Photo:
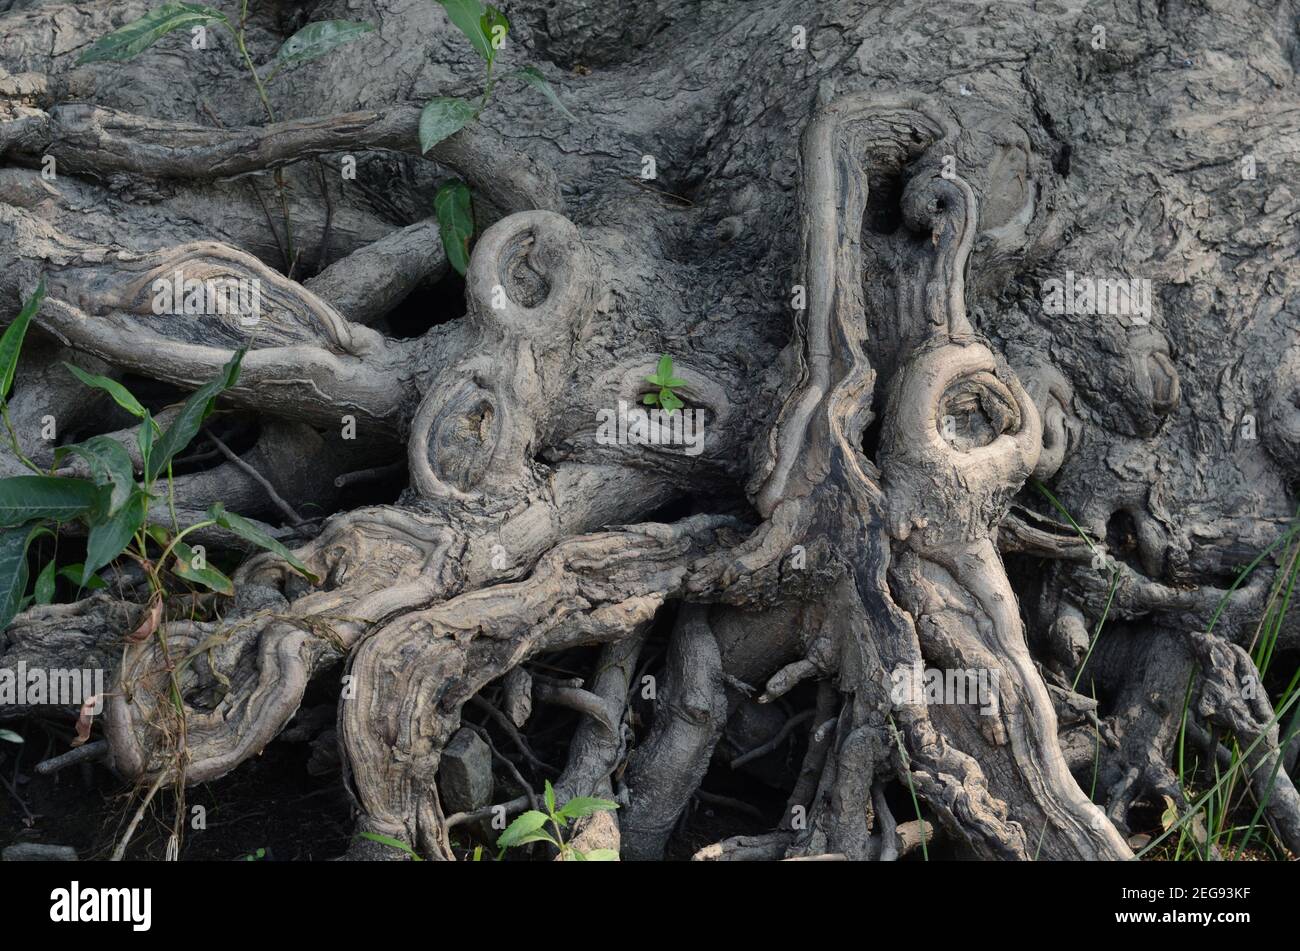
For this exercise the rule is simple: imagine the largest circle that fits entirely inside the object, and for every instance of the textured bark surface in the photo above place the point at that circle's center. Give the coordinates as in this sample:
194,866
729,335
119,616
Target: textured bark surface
845,249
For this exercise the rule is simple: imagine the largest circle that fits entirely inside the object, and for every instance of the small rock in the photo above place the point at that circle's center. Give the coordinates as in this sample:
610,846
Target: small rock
465,773
35,852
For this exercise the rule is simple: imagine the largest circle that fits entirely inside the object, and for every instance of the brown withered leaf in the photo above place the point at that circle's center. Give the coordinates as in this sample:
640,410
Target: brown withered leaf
85,719
149,623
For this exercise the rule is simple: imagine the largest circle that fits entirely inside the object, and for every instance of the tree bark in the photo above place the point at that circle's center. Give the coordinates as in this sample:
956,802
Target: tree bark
847,246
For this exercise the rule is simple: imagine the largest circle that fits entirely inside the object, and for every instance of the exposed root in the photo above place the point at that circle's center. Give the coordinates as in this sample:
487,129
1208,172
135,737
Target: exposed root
96,142
588,590
908,421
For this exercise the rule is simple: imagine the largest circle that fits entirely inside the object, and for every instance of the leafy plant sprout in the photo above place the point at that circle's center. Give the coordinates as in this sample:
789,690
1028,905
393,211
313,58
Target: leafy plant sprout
309,43
486,27
665,381
530,827
392,843
111,503
906,762
114,507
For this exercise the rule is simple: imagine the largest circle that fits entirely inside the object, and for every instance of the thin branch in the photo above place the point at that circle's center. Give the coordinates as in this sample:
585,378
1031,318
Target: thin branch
516,737
91,751
775,741
257,477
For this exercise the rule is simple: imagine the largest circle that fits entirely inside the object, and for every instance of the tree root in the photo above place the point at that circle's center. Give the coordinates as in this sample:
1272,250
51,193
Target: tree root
885,487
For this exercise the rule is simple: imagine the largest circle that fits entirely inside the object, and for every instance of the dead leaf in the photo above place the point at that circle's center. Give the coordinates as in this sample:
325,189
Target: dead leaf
85,719
1170,815
149,623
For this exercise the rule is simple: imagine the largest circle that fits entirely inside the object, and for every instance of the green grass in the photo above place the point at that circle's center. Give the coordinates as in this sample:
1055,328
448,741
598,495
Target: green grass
1219,803
1226,796
1098,554
916,803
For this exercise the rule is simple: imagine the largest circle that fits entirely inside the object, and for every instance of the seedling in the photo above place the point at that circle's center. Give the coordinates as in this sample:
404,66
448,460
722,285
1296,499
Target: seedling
112,503
665,380
530,827
486,27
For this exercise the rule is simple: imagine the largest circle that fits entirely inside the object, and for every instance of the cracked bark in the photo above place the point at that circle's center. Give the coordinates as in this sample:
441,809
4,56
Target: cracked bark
861,505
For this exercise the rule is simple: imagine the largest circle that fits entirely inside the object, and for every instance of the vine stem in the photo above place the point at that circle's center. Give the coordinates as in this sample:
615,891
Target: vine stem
172,544
13,438
270,115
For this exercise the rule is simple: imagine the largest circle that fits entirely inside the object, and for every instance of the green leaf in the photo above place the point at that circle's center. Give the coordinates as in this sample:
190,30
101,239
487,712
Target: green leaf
455,222
549,795
663,376
250,532
538,836
650,399
495,26
669,401
194,411
533,76
138,35
12,341
13,571
10,736
121,395
316,39
442,117
23,498
390,841
580,806
109,538
526,824
144,438
45,583
467,16
110,465
601,855
74,574
207,576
